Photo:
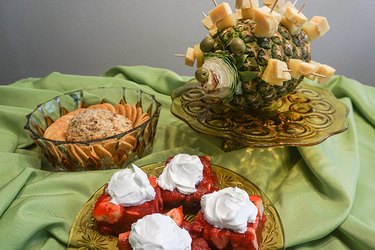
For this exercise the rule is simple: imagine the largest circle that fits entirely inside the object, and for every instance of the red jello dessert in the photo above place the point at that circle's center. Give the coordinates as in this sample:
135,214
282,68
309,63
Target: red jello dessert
229,219
129,196
185,179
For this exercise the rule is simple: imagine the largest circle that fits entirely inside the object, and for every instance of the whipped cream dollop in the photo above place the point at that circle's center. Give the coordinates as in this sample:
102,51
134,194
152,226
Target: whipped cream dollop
229,208
183,172
130,187
159,232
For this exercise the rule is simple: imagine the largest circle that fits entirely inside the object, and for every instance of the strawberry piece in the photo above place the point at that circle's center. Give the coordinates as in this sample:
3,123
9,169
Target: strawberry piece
176,214
123,241
153,182
115,219
220,238
258,202
227,239
199,244
106,211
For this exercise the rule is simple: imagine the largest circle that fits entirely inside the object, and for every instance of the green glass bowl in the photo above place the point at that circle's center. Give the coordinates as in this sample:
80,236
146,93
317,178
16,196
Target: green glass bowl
111,152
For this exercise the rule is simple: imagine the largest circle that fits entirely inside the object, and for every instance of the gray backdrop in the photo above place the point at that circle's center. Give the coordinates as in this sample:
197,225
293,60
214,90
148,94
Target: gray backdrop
88,37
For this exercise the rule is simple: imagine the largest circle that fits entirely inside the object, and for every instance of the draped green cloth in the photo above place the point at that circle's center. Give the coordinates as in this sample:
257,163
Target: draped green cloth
324,193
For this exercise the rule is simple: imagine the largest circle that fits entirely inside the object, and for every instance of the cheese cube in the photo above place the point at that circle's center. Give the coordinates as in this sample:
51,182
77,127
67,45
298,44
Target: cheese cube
294,16
293,20
321,24
280,5
267,22
276,72
199,55
247,13
226,22
326,71
306,68
189,57
219,12
299,67
293,29
312,76
238,14
293,65
207,23
247,4
311,31
316,27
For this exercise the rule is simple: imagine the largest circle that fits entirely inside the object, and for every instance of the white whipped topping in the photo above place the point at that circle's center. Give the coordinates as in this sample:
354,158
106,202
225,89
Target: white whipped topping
158,232
130,187
183,172
229,208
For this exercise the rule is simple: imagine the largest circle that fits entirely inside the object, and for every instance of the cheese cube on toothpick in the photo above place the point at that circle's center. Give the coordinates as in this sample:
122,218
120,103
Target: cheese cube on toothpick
293,65
324,73
219,12
293,29
293,20
238,14
267,22
307,69
299,67
276,72
316,27
207,22
247,13
321,24
226,22
189,57
295,16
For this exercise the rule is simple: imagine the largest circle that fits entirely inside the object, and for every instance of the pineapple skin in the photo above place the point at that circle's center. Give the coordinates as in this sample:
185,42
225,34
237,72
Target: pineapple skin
282,46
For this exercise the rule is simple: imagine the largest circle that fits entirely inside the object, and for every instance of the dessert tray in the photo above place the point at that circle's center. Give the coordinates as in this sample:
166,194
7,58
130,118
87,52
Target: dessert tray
84,235
305,117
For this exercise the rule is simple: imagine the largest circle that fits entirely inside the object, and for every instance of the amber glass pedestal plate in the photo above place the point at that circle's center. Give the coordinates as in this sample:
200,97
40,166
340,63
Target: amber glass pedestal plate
305,117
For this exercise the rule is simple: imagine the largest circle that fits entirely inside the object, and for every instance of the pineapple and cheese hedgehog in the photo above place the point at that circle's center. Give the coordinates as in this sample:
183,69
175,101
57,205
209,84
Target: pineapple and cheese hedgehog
256,55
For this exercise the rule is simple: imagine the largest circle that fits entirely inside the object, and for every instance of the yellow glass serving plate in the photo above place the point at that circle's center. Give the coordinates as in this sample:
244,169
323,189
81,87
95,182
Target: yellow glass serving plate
84,235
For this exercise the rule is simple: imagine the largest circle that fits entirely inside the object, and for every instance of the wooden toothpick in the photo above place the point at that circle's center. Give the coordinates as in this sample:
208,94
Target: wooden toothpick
300,9
273,6
215,3
286,70
294,4
318,75
179,55
204,14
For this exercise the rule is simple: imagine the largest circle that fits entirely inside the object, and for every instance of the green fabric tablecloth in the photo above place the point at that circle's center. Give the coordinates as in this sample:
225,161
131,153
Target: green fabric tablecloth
325,194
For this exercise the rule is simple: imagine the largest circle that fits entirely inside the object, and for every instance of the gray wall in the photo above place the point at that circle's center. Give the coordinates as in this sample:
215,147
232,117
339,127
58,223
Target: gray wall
88,37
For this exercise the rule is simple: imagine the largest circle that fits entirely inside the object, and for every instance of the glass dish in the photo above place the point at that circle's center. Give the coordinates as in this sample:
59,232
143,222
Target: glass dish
106,153
83,234
305,117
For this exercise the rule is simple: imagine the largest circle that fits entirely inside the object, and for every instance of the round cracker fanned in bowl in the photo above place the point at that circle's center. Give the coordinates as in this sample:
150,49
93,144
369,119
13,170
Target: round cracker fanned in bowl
48,125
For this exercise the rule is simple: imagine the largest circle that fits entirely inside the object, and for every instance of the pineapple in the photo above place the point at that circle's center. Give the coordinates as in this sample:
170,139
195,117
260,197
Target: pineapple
251,60
236,57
